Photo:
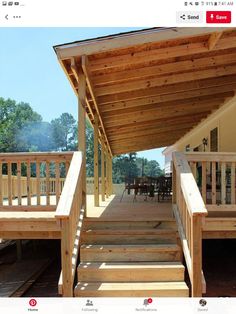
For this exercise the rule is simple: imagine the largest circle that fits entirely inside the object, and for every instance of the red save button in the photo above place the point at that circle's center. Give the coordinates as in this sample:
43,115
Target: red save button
218,17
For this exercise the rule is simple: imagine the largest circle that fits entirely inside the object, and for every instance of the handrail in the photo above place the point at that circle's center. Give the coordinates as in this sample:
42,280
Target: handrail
210,156
189,210
69,214
35,156
189,186
74,175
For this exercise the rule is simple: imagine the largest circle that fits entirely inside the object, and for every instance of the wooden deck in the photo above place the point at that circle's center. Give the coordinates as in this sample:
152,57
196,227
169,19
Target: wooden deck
113,209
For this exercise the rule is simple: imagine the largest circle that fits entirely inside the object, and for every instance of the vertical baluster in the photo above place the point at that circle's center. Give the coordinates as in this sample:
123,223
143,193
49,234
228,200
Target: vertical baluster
223,183
233,183
28,183
1,185
57,170
38,182
204,181
19,182
194,169
9,183
213,182
47,183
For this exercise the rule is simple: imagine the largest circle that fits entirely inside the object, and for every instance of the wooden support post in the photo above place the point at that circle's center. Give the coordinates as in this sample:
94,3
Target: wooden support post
110,176
66,249
82,129
107,174
96,178
103,170
196,255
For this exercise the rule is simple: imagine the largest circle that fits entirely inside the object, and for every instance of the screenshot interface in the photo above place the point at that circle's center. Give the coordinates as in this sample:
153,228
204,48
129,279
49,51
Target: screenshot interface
117,156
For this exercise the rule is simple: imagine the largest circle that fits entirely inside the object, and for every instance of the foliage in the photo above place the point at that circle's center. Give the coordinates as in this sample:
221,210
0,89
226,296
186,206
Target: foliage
130,166
22,129
64,131
13,118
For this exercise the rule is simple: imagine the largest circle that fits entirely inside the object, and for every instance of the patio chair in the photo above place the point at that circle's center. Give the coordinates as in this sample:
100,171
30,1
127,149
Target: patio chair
164,187
129,185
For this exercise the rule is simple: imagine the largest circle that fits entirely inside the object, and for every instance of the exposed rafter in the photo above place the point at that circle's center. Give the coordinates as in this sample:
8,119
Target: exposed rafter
84,101
84,63
213,39
150,91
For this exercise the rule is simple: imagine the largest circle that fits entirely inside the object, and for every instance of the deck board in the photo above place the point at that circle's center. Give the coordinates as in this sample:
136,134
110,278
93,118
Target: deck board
113,209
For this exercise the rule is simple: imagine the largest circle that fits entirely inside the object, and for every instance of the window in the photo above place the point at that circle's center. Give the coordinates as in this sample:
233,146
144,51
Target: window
214,140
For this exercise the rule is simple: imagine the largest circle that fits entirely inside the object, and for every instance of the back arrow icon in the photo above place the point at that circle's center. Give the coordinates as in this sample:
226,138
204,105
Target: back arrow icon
6,17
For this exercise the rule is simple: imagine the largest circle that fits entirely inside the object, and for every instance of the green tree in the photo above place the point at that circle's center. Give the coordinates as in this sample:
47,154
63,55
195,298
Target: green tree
13,118
125,166
153,169
64,132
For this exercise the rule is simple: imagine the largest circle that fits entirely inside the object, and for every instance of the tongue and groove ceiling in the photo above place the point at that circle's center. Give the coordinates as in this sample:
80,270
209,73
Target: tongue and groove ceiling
151,87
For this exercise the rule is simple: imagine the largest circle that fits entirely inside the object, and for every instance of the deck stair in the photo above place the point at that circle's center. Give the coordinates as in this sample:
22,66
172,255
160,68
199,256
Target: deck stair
130,259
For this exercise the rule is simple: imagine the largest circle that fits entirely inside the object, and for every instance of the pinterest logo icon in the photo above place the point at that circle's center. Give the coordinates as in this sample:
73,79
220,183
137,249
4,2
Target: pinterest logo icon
32,302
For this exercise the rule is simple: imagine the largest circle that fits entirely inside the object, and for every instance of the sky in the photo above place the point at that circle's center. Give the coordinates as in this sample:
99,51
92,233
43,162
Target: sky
30,72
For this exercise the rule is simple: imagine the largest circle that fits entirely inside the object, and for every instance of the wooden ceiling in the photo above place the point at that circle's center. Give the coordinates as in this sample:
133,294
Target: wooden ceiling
151,87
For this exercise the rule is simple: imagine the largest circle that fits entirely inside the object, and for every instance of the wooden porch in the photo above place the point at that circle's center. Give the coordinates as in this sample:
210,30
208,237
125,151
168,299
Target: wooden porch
145,231
140,91
220,222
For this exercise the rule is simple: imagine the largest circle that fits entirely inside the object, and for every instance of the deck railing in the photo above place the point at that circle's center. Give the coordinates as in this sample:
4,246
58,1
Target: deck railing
26,177
70,213
28,203
215,176
189,210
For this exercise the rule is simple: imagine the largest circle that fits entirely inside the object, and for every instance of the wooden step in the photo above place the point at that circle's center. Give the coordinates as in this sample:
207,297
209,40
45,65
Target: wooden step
131,272
95,223
137,289
132,253
126,236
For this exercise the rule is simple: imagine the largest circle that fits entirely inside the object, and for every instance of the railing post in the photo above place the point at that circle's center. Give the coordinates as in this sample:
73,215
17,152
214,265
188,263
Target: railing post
66,256
196,255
